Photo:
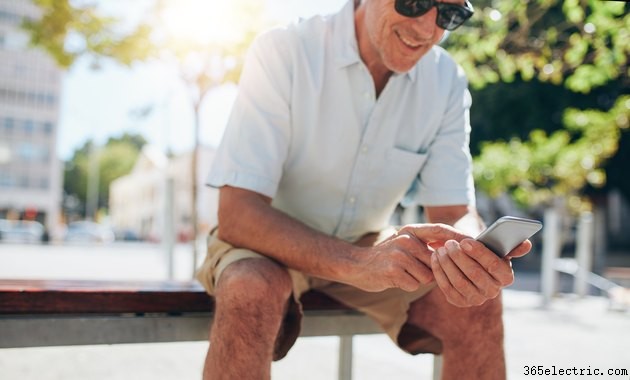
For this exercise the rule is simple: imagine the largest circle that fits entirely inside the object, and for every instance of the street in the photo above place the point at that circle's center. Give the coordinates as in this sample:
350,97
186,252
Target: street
113,261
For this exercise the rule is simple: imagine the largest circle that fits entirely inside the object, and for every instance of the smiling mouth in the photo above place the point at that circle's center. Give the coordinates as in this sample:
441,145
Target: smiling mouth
409,43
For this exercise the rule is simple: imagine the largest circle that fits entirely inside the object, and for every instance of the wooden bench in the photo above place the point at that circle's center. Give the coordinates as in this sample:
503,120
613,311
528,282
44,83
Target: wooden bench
37,313
619,275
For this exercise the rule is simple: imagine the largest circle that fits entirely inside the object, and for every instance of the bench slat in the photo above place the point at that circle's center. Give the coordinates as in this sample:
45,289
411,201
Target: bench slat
116,297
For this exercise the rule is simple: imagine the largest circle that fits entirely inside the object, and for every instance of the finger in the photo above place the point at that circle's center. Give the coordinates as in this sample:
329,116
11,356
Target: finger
385,236
420,271
521,250
458,279
486,285
405,271
430,233
407,282
499,268
416,257
416,247
444,284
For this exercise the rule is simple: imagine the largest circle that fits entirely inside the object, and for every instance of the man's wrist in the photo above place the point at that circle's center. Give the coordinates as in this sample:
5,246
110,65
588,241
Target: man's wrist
347,263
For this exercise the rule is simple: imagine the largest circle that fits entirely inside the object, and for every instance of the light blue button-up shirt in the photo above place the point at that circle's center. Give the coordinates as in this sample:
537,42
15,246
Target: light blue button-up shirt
308,131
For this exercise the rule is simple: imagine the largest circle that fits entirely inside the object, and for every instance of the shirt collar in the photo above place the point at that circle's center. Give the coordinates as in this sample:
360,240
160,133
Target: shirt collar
345,41
344,38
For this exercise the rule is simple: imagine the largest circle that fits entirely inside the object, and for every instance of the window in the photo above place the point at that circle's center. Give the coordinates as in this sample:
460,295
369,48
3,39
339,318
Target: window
9,124
43,183
24,182
5,179
27,152
44,154
29,126
47,127
51,99
10,17
17,96
41,98
16,41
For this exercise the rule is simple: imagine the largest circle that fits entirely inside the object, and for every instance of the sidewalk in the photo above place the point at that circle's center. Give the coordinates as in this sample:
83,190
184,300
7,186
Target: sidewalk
581,333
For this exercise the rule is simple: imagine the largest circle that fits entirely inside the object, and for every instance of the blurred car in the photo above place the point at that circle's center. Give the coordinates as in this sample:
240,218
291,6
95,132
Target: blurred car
126,235
88,232
21,231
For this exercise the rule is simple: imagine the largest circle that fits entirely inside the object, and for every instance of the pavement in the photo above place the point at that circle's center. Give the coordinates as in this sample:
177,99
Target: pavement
584,335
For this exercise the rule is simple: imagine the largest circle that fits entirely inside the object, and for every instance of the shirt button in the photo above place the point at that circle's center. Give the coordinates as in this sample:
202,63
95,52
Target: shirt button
367,95
364,149
352,200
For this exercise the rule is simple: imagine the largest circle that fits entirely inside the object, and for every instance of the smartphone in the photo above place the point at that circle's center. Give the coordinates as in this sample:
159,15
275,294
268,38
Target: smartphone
507,232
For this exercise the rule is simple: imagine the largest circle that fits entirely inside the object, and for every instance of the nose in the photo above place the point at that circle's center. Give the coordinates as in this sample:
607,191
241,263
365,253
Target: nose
425,26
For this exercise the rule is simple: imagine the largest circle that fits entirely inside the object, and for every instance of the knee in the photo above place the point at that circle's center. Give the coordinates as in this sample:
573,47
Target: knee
487,315
477,323
252,280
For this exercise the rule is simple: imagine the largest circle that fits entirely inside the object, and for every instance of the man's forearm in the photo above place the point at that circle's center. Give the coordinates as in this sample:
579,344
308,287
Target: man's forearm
247,220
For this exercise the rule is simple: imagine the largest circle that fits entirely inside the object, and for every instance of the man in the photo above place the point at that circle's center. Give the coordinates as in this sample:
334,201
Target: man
337,119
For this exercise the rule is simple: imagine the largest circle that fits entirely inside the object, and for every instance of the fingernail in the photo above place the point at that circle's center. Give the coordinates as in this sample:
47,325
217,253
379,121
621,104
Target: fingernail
451,245
441,251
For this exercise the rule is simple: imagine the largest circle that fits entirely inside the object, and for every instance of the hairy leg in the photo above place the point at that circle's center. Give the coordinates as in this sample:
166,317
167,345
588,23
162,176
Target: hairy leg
251,297
472,338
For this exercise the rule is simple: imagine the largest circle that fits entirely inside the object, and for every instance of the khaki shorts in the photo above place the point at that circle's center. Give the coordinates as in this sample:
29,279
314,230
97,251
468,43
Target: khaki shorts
388,308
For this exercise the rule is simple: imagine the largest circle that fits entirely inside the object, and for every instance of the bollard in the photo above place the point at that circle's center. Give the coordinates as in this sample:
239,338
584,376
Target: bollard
437,367
345,357
168,237
550,253
583,253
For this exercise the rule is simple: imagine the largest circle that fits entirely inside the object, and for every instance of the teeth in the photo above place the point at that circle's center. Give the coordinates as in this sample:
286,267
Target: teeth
408,42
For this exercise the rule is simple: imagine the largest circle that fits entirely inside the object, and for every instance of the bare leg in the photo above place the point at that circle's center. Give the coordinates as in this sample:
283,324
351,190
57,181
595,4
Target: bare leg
251,297
472,338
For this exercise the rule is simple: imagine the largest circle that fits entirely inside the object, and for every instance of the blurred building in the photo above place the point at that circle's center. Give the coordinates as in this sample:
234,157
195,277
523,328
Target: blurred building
137,201
30,85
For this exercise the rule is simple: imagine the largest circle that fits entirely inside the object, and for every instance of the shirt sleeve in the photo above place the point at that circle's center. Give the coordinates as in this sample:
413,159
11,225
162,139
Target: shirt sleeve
256,140
447,178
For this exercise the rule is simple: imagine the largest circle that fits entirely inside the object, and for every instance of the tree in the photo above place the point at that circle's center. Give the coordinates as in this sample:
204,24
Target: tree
203,60
67,31
581,45
115,159
558,164
206,60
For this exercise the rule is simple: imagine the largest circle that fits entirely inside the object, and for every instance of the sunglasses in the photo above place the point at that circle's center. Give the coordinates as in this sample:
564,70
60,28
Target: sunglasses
450,16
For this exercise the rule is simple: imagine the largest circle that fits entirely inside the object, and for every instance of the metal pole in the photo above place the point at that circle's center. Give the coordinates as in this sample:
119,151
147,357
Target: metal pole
437,367
168,241
583,253
345,357
600,239
550,253
91,203
194,190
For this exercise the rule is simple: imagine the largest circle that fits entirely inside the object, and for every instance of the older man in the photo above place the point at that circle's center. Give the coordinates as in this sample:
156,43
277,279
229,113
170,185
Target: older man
338,118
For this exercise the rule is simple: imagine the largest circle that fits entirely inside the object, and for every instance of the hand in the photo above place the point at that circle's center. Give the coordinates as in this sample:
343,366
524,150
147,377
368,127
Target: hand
401,261
469,274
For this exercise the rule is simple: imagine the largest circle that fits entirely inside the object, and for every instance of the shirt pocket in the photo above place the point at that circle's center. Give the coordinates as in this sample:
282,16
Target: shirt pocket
395,175
398,156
